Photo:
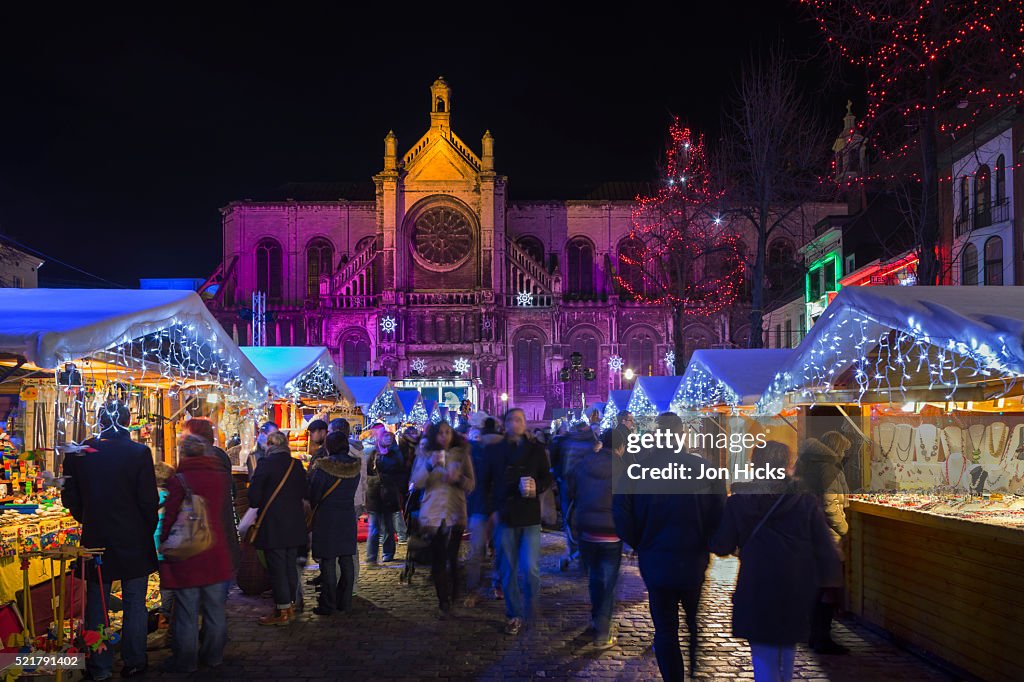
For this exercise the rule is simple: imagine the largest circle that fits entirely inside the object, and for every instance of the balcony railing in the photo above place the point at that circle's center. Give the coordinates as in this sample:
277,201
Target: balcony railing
999,212
443,298
349,301
535,301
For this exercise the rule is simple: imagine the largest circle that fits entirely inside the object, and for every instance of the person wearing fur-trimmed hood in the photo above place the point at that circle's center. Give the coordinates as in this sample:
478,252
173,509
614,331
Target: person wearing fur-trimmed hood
332,489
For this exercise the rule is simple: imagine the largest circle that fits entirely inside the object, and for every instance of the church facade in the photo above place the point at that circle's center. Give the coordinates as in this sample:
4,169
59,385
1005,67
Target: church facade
434,267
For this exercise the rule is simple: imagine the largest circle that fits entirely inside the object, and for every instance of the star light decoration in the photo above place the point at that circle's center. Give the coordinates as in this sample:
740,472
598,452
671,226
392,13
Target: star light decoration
615,363
670,361
882,359
388,324
419,365
524,298
461,365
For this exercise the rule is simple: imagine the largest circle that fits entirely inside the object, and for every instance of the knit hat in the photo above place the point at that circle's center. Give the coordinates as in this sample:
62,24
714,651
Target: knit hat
836,442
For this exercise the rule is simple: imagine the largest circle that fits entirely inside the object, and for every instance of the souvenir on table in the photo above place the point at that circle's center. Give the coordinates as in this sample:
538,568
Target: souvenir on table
8,541
49,530
71,530
28,538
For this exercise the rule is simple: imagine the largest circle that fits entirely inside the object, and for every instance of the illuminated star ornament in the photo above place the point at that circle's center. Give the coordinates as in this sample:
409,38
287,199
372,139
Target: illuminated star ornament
419,365
525,298
388,324
461,365
615,363
670,360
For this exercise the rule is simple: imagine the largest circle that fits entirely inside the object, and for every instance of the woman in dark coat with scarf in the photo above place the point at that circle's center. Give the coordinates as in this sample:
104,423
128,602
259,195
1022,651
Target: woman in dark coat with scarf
786,550
332,489
283,530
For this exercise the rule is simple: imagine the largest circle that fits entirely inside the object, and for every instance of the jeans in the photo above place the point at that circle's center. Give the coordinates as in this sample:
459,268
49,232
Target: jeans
602,560
664,604
133,630
399,523
377,520
284,575
772,663
572,548
337,574
209,601
444,560
520,547
479,535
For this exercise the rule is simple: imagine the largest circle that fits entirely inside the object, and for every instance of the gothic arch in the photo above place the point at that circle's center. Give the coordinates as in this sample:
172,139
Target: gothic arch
527,355
356,351
579,276
533,246
319,263
639,345
269,258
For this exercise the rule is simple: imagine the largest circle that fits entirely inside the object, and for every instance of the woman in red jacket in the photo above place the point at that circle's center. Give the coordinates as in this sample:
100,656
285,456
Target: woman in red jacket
199,585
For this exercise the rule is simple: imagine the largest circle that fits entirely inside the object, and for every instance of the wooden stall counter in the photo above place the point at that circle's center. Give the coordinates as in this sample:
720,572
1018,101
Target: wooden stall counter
950,586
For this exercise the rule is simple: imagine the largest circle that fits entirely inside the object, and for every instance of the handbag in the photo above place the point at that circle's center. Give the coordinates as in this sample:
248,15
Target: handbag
190,535
311,514
248,518
250,534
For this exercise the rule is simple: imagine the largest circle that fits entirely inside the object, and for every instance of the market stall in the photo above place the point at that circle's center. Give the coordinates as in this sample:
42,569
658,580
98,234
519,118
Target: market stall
617,401
929,382
721,387
304,384
412,410
373,396
650,397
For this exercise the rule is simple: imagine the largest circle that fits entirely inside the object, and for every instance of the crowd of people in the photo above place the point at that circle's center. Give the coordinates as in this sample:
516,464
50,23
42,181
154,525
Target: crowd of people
491,477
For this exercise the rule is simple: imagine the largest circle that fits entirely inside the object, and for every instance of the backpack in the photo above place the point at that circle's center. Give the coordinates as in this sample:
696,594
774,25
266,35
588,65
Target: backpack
190,535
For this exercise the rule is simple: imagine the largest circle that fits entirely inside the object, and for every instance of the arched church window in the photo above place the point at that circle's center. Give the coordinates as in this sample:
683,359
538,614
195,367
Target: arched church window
580,280
532,246
319,262
268,268
529,364
355,355
640,353
631,268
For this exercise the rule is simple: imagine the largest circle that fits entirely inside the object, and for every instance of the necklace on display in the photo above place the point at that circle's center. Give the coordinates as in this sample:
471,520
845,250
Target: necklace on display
910,445
961,476
993,449
886,451
924,452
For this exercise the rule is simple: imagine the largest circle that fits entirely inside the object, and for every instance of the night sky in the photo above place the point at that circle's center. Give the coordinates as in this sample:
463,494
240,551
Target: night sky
121,135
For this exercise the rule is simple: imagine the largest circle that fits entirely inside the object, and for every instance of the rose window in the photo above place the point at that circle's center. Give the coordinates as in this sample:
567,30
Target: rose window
442,238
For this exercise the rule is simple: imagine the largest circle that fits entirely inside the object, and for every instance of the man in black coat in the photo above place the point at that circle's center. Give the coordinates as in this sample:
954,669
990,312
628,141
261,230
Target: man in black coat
670,524
521,472
110,488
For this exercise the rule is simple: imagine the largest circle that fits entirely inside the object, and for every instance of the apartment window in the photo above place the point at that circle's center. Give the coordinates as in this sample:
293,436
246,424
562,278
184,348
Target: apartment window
982,197
789,333
1000,180
969,265
994,262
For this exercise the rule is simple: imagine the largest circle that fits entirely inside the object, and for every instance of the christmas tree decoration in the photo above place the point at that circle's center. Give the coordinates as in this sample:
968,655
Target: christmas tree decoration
419,365
524,298
383,407
640,404
388,324
678,254
461,365
615,363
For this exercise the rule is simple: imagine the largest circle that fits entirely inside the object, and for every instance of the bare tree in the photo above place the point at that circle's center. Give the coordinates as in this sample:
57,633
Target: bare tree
772,159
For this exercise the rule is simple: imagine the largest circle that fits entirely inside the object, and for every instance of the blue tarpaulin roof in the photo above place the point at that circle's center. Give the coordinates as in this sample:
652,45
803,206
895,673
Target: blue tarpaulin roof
620,398
737,376
282,365
364,390
659,390
407,400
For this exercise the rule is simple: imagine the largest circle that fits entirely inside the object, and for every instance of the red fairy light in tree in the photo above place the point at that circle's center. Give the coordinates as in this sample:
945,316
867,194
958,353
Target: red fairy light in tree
678,252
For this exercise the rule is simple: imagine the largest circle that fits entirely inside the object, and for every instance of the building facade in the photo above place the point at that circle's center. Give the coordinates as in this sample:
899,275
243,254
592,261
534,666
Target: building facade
434,263
18,269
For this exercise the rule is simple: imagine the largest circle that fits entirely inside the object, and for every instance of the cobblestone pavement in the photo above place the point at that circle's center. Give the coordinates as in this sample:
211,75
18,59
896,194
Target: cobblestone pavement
395,635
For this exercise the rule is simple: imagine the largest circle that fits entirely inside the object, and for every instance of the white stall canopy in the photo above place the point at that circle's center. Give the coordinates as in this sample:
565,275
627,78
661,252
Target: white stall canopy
296,370
728,377
908,343
149,336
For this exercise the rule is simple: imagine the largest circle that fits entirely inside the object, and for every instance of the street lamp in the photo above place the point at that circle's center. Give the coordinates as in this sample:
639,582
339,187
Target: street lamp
504,397
575,374
629,374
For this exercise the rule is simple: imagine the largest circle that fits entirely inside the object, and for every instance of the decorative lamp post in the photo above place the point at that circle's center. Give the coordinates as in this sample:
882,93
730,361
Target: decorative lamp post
575,374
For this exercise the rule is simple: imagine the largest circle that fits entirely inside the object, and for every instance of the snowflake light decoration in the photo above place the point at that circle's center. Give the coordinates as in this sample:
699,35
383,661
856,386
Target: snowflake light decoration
670,360
615,363
388,324
524,298
419,365
461,365
488,323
